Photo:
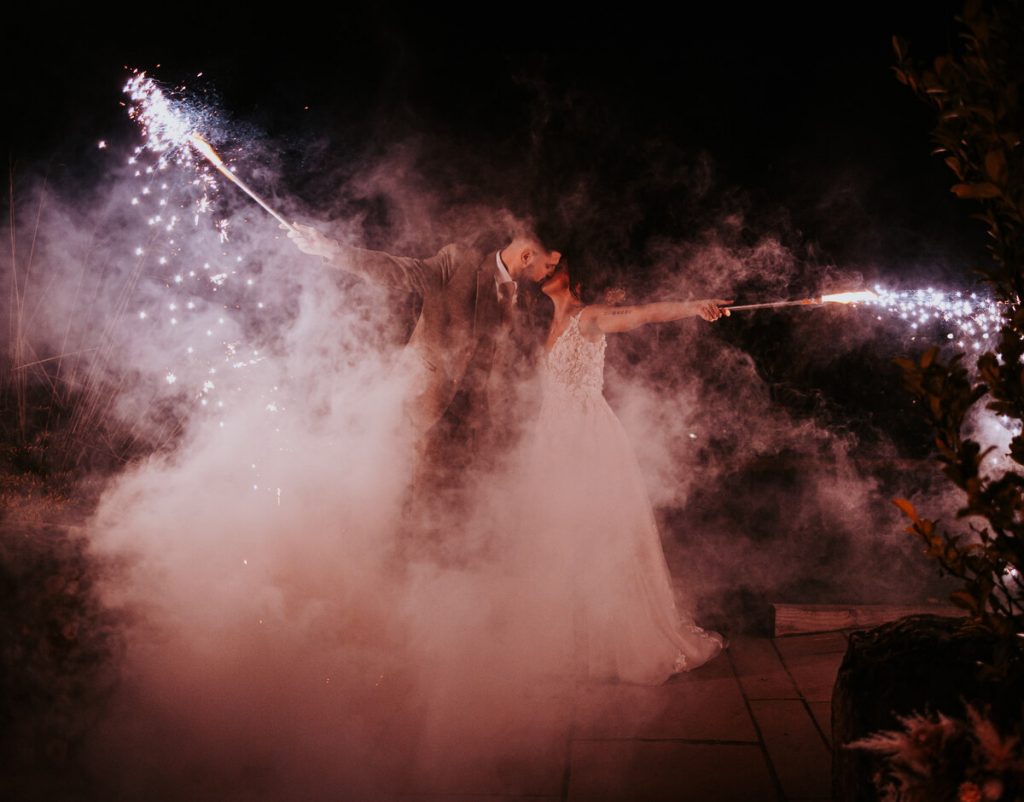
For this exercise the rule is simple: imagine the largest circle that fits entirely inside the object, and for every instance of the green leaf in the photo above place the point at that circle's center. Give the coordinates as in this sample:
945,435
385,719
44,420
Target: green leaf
907,508
945,450
976,191
961,598
983,112
995,166
899,47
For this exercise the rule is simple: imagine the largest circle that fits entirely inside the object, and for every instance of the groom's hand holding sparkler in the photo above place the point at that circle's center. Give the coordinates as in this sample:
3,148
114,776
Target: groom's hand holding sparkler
309,240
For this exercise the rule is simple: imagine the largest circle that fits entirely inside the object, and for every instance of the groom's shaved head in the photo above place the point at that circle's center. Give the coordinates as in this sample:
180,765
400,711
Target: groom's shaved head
528,258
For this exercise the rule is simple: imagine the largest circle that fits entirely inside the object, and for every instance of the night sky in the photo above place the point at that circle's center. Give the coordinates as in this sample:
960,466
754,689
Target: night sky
793,114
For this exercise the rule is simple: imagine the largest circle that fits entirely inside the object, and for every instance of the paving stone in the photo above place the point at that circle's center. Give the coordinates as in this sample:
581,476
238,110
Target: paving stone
652,771
693,707
800,757
818,643
718,667
815,674
823,715
466,749
469,798
509,770
691,738
760,671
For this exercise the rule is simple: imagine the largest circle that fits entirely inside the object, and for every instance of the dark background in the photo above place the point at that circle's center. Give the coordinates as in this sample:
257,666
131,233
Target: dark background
796,108
632,127
656,123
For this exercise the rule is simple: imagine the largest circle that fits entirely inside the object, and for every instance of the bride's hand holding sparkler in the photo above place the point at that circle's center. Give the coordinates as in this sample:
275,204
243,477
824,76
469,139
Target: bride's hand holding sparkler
309,240
711,310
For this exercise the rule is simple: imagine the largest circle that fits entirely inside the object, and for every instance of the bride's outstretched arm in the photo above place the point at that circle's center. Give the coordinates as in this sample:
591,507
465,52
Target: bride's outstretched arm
611,319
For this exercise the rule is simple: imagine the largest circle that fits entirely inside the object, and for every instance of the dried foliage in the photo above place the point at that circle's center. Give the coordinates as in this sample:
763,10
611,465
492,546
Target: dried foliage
938,757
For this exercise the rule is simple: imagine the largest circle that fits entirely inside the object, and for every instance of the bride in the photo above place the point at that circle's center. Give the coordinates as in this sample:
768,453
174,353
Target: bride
590,516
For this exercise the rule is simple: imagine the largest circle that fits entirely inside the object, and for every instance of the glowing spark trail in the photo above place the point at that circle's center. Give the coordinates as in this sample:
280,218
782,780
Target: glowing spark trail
165,124
969,319
169,126
850,297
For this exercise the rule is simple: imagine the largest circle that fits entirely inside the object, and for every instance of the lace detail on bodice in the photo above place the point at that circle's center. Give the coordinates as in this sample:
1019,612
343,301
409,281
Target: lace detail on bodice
575,365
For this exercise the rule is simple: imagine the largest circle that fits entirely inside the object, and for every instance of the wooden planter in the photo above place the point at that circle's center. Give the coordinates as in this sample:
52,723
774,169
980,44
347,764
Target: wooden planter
920,663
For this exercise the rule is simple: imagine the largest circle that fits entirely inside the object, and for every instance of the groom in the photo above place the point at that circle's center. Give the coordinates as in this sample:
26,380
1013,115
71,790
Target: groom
468,309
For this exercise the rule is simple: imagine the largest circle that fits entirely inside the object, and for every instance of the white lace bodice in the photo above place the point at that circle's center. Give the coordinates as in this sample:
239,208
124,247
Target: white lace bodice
574,368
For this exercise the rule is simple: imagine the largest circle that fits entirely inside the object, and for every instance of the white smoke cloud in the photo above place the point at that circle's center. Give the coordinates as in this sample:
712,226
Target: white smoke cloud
280,639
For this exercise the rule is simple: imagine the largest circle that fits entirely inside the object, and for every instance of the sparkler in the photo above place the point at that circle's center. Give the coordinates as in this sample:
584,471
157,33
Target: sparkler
172,126
834,298
172,131
205,148
190,263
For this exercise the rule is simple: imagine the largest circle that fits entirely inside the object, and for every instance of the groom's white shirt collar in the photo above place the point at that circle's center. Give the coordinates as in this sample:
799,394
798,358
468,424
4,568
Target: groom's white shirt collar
503,274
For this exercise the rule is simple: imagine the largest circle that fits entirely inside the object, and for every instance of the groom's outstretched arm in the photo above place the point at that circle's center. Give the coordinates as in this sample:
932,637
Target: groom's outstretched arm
408,273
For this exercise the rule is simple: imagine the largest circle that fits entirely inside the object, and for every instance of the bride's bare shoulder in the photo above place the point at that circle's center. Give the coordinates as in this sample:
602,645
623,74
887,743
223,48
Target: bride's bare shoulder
589,316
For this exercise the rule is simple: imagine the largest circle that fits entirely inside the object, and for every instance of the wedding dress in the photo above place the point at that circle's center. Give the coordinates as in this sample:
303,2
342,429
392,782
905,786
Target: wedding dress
592,524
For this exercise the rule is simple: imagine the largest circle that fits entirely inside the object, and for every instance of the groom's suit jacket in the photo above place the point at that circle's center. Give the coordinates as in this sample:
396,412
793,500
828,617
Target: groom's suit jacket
460,327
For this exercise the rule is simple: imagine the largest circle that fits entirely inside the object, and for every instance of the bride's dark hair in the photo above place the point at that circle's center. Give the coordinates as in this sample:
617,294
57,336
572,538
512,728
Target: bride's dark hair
592,286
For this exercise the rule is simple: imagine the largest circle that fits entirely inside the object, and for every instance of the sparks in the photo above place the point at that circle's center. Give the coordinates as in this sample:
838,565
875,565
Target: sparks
174,171
166,123
968,319
850,297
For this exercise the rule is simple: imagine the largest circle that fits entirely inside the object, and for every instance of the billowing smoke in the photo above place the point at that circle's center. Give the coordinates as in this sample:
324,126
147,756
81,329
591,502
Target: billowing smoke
279,636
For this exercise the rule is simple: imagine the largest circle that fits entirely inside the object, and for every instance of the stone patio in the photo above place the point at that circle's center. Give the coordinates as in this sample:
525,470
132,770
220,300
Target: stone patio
751,725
